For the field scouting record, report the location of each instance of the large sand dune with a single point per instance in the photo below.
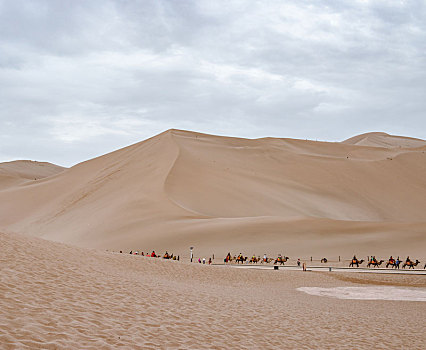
(178, 189)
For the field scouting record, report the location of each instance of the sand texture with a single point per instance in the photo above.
(55, 296)
(366, 195)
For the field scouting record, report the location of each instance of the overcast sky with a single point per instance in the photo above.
(82, 78)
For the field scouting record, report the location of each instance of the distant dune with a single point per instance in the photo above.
(219, 194)
(21, 171)
(381, 139)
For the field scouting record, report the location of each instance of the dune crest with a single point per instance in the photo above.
(381, 139)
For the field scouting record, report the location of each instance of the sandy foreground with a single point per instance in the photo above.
(58, 296)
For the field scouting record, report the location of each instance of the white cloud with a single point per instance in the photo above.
(111, 72)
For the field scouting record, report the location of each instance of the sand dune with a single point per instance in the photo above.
(22, 171)
(381, 139)
(182, 189)
(55, 296)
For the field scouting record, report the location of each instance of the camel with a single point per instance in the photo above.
(281, 260)
(393, 263)
(375, 263)
(356, 262)
(241, 258)
(228, 258)
(254, 260)
(410, 264)
(167, 256)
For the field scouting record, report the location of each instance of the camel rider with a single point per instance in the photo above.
(391, 260)
(264, 257)
(408, 260)
(354, 259)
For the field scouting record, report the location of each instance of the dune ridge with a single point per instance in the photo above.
(182, 188)
(381, 139)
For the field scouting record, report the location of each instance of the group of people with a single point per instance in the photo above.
(154, 255)
(240, 258)
(204, 261)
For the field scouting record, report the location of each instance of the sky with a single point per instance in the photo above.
(82, 78)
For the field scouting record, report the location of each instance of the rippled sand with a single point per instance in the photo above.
(57, 296)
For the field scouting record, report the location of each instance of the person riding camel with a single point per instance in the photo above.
(391, 260)
(354, 259)
(408, 260)
(166, 256)
(153, 254)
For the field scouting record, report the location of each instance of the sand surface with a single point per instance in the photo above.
(20, 172)
(57, 296)
(302, 198)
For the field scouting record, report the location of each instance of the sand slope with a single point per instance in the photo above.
(381, 139)
(55, 296)
(22, 171)
(182, 188)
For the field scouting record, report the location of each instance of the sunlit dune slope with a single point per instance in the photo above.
(22, 171)
(182, 188)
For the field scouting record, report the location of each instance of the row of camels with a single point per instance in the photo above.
(393, 263)
(254, 260)
(281, 260)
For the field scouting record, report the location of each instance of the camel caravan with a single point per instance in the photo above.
(392, 262)
(154, 255)
(254, 260)
(354, 262)
(282, 259)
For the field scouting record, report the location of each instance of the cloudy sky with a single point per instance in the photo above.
(81, 78)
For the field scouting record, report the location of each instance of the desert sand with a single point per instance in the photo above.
(63, 284)
(56, 296)
(365, 196)
(24, 171)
